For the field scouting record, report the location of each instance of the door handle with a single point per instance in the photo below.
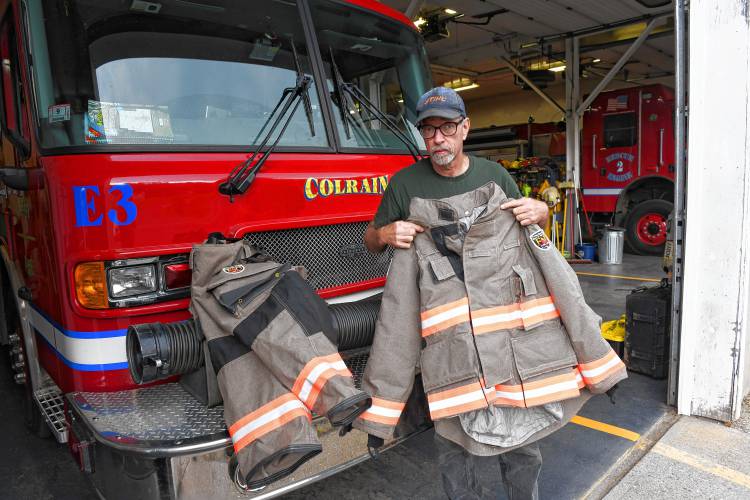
(661, 148)
(593, 152)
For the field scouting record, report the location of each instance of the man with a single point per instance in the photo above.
(442, 122)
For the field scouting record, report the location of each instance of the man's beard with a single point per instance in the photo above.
(444, 158)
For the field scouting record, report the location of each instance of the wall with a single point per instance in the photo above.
(714, 327)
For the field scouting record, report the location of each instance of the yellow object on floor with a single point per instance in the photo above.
(614, 330)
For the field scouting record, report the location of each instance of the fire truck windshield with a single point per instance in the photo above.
(386, 60)
(207, 74)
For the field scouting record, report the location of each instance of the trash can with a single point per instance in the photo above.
(611, 245)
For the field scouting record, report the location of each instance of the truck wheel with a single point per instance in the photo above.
(646, 227)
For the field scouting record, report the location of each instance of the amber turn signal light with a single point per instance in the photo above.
(91, 285)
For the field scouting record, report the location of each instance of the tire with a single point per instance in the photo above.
(646, 227)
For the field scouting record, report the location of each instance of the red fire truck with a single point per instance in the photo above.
(122, 124)
(627, 163)
(627, 159)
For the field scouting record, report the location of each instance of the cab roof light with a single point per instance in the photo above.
(91, 285)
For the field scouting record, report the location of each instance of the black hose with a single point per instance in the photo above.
(158, 350)
(354, 323)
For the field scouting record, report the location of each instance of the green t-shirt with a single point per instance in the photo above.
(421, 181)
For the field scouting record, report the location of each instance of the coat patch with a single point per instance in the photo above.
(540, 240)
(236, 269)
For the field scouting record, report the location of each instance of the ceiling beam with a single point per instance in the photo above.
(531, 84)
(618, 66)
(413, 8)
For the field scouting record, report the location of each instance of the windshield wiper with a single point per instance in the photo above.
(243, 174)
(348, 92)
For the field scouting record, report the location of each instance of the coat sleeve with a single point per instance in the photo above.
(390, 371)
(599, 366)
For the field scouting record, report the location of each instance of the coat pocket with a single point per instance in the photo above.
(526, 276)
(240, 288)
(441, 268)
(495, 357)
(544, 350)
(449, 361)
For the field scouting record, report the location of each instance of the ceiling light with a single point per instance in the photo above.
(467, 87)
(596, 60)
(557, 69)
(450, 12)
(461, 84)
(419, 22)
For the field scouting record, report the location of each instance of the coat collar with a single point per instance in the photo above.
(430, 213)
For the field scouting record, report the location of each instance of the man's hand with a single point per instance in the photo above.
(529, 211)
(397, 234)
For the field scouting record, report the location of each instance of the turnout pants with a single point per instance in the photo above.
(519, 470)
(269, 338)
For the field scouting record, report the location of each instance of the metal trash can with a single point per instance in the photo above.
(611, 245)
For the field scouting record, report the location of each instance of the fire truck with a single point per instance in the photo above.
(627, 159)
(627, 163)
(132, 129)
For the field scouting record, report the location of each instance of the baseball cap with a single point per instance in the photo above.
(441, 102)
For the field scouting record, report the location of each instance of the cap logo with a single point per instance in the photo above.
(435, 98)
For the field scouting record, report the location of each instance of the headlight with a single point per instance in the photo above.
(134, 280)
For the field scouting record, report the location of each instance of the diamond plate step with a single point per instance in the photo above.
(50, 401)
(165, 419)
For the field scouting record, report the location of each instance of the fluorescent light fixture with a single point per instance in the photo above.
(557, 69)
(596, 60)
(467, 87)
(419, 22)
(450, 12)
(460, 84)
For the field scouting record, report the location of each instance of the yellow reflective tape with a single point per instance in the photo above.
(634, 278)
(602, 427)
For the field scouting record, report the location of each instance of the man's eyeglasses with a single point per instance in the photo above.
(447, 129)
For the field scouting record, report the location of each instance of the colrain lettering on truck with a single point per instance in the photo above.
(132, 130)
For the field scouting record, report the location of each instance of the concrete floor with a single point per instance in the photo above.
(576, 458)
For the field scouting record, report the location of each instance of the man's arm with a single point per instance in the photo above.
(529, 211)
(398, 234)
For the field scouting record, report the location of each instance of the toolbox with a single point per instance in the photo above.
(648, 317)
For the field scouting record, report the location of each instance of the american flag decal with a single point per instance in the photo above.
(617, 103)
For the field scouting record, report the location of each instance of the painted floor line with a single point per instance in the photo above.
(702, 464)
(633, 278)
(602, 427)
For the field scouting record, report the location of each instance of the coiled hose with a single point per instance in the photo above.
(159, 350)
(354, 323)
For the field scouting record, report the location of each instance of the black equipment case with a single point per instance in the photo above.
(648, 312)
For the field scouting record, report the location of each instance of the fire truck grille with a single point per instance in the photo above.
(333, 255)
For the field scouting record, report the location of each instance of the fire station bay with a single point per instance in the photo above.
(375, 249)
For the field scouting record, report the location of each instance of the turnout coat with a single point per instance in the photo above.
(491, 314)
